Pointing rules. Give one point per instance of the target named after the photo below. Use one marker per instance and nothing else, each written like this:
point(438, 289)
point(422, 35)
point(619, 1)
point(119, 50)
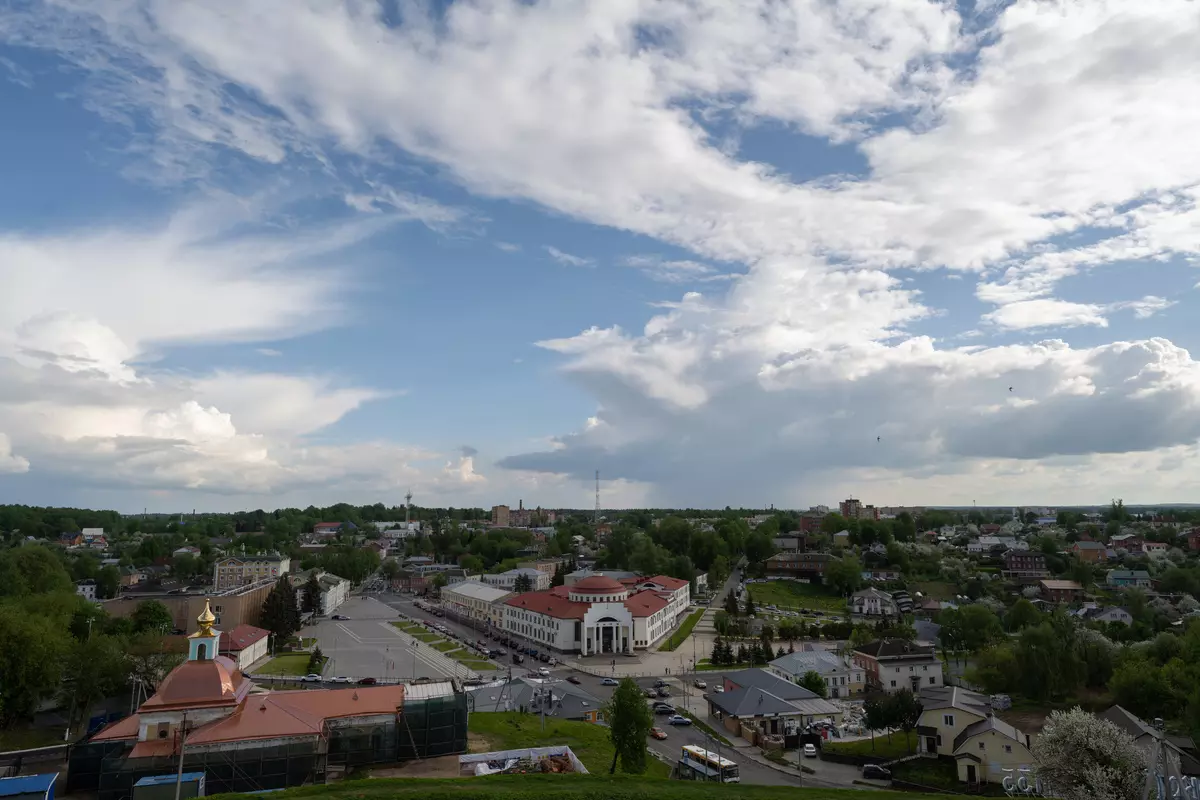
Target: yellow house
point(947, 712)
point(985, 750)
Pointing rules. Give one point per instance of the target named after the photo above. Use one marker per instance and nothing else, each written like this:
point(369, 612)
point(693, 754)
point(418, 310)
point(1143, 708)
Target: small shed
point(29, 787)
point(162, 787)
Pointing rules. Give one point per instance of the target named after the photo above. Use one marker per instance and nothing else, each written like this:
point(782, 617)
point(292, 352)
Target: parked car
point(367, 682)
point(341, 679)
point(658, 733)
point(543, 672)
point(659, 683)
point(718, 690)
point(877, 772)
point(678, 719)
point(664, 708)
point(543, 657)
point(312, 677)
point(650, 693)
point(339, 616)
point(610, 682)
point(663, 691)
point(699, 684)
point(810, 751)
point(573, 679)
point(518, 658)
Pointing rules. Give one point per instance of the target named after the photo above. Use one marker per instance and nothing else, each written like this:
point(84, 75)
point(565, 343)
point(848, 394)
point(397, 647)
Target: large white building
point(335, 590)
point(476, 601)
point(598, 615)
point(508, 580)
point(229, 573)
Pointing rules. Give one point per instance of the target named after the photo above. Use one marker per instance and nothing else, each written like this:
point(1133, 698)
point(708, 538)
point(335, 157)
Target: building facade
point(501, 516)
point(1025, 565)
point(802, 566)
point(508, 580)
point(842, 678)
point(476, 601)
point(873, 603)
point(235, 571)
point(894, 664)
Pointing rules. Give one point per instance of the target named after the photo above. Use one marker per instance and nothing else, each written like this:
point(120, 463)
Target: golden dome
point(206, 620)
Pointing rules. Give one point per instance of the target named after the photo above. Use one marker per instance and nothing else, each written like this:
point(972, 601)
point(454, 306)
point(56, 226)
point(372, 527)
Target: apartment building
point(234, 571)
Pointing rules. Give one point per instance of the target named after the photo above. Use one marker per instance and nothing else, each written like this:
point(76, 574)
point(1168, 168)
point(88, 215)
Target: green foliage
point(31, 656)
point(970, 628)
point(316, 660)
point(312, 594)
point(153, 616)
point(629, 722)
point(731, 604)
point(994, 671)
point(1141, 687)
point(1022, 615)
point(813, 681)
point(749, 605)
point(523, 583)
point(685, 630)
point(94, 669)
point(280, 615)
point(844, 575)
point(32, 570)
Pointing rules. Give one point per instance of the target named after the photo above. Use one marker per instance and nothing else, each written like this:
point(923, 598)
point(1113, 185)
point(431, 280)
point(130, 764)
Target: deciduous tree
point(814, 682)
point(1082, 757)
point(629, 721)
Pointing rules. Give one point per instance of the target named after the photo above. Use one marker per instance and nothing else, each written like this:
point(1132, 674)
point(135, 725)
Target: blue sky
point(266, 254)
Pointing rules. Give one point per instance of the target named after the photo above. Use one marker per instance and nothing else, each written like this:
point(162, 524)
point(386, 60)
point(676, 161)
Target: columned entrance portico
point(607, 635)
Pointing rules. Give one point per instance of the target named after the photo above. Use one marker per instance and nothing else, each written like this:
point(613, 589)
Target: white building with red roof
point(598, 614)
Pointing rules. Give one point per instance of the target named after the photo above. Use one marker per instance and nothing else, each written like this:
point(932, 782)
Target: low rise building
point(1091, 552)
point(990, 749)
point(335, 590)
point(1025, 565)
point(1060, 591)
point(798, 565)
point(538, 580)
point(234, 571)
point(86, 589)
point(245, 645)
point(476, 601)
point(765, 704)
point(1126, 578)
point(842, 678)
point(894, 664)
point(872, 602)
point(947, 711)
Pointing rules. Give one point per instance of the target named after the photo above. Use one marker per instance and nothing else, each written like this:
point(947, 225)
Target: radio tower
point(407, 507)
point(597, 520)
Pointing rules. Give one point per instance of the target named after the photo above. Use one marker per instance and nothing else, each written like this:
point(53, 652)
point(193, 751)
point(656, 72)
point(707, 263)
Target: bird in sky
point(1010, 388)
point(879, 438)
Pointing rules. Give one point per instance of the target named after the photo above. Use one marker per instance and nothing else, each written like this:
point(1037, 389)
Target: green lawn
point(937, 590)
point(685, 630)
point(794, 595)
point(29, 738)
point(589, 742)
point(410, 627)
point(935, 773)
point(883, 748)
point(293, 664)
point(444, 646)
point(470, 660)
point(571, 787)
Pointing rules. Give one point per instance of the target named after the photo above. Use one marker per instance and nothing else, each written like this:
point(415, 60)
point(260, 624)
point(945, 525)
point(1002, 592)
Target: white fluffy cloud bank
point(992, 143)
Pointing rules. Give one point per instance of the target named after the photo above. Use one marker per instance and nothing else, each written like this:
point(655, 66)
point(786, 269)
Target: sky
point(727, 252)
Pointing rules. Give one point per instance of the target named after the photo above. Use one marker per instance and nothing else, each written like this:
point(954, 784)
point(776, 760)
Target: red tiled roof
point(561, 591)
point(548, 603)
point(670, 583)
point(241, 637)
point(643, 604)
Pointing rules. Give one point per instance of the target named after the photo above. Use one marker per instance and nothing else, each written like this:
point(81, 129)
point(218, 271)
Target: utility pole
point(182, 744)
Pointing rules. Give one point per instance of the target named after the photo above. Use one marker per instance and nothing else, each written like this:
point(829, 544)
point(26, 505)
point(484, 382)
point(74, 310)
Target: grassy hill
point(570, 787)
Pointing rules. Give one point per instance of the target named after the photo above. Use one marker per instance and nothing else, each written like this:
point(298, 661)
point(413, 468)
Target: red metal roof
point(241, 637)
point(668, 582)
point(548, 603)
point(200, 684)
point(643, 604)
point(598, 584)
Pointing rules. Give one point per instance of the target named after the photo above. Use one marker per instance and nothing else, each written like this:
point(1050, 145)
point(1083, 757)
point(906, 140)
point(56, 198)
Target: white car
point(610, 682)
point(699, 684)
point(341, 679)
point(810, 751)
point(542, 671)
point(718, 690)
point(312, 677)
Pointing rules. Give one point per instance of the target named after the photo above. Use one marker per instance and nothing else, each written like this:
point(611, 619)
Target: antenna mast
point(407, 506)
point(597, 519)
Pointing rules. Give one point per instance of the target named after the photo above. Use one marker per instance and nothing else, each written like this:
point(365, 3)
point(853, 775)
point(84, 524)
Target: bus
point(697, 763)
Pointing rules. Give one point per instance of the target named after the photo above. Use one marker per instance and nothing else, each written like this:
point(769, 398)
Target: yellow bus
point(707, 765)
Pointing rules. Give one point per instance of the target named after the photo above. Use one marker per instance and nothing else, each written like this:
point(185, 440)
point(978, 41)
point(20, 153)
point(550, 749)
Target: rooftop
point(894, 648)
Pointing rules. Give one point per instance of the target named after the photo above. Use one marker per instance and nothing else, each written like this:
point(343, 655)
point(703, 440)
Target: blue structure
point(156, 787)
point(29, 787)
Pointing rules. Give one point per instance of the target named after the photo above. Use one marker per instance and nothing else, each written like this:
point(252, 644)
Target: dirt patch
point(478, 743)
point(1025, 721)
point(440, 767)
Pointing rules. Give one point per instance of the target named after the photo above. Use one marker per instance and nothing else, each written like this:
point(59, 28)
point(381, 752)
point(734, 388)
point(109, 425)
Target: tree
point(94, 669)
point(1022, 615)
point(316, 660)
point(844, 575)
point(814, 682)
point(994, 670)
point(1083, 757)
point(629, 722)
point(151, 615)
point(312, 594)
point(904, 709)
point(731, 604)
point(390, 569)
point(522, 584)
point(560, 576)
point(1046, 662)
point(875, 716)
point(31, 653)
point(279, 612)
point(1140, 687)
point(721, 622)
point(718, 573)
point(108, 582)
point(150, 660)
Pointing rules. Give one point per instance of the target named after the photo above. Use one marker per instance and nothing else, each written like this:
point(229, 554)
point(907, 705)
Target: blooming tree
point(1082, 757)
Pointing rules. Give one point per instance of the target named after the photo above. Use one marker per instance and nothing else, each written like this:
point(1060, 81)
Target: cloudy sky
point(257, 253)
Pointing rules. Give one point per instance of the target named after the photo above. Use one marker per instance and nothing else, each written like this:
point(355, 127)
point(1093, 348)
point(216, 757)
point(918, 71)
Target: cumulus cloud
point(991, 145)
point(9, 461)
point(674, 271)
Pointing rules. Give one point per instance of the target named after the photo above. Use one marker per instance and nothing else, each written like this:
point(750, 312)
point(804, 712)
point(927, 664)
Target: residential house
point(1112, 614)
point(130, 576)
point(1155, 549)
point(575, 577)
point(805, 566)
point(86, 589)
point(1059, 591)
point(1025, 565)
point(70, 539)
point(790, 541)
point(1180, 760)
point(894, 664)
point(873, 603)
point(245, 644)
point(946, 712)
point(562, 700)
point(990, 749)
point(1091, 552)
point(755, 699)
point(187, 550)
point(882, 575)
point(1129, 542)
point(1125, 578)
point(476, 601)
point(842, 678)
point(335, 590)
point(985, 544)
point(329, 528)
point(546, 565)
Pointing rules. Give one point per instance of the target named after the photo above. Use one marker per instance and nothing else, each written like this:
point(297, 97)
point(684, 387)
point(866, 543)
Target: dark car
point(367, 682)
point(663, 691)
point(877, 772)
point(650, 693)
point(518, 658)
point(340, 616)
point(664, 708)
point(573, 679)
point(543, 657)
point(658, 684)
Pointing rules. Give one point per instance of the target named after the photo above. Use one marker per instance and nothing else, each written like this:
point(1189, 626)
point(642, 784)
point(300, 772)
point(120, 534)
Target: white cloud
point(270, 352)
point(1046, 313)
point(568, 259)
point(9, 461)
point(677, 271)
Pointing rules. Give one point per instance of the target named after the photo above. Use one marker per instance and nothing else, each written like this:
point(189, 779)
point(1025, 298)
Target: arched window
point(201, 651)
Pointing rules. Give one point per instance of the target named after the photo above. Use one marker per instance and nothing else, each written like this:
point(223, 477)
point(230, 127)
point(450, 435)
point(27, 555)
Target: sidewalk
point(826, 774)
